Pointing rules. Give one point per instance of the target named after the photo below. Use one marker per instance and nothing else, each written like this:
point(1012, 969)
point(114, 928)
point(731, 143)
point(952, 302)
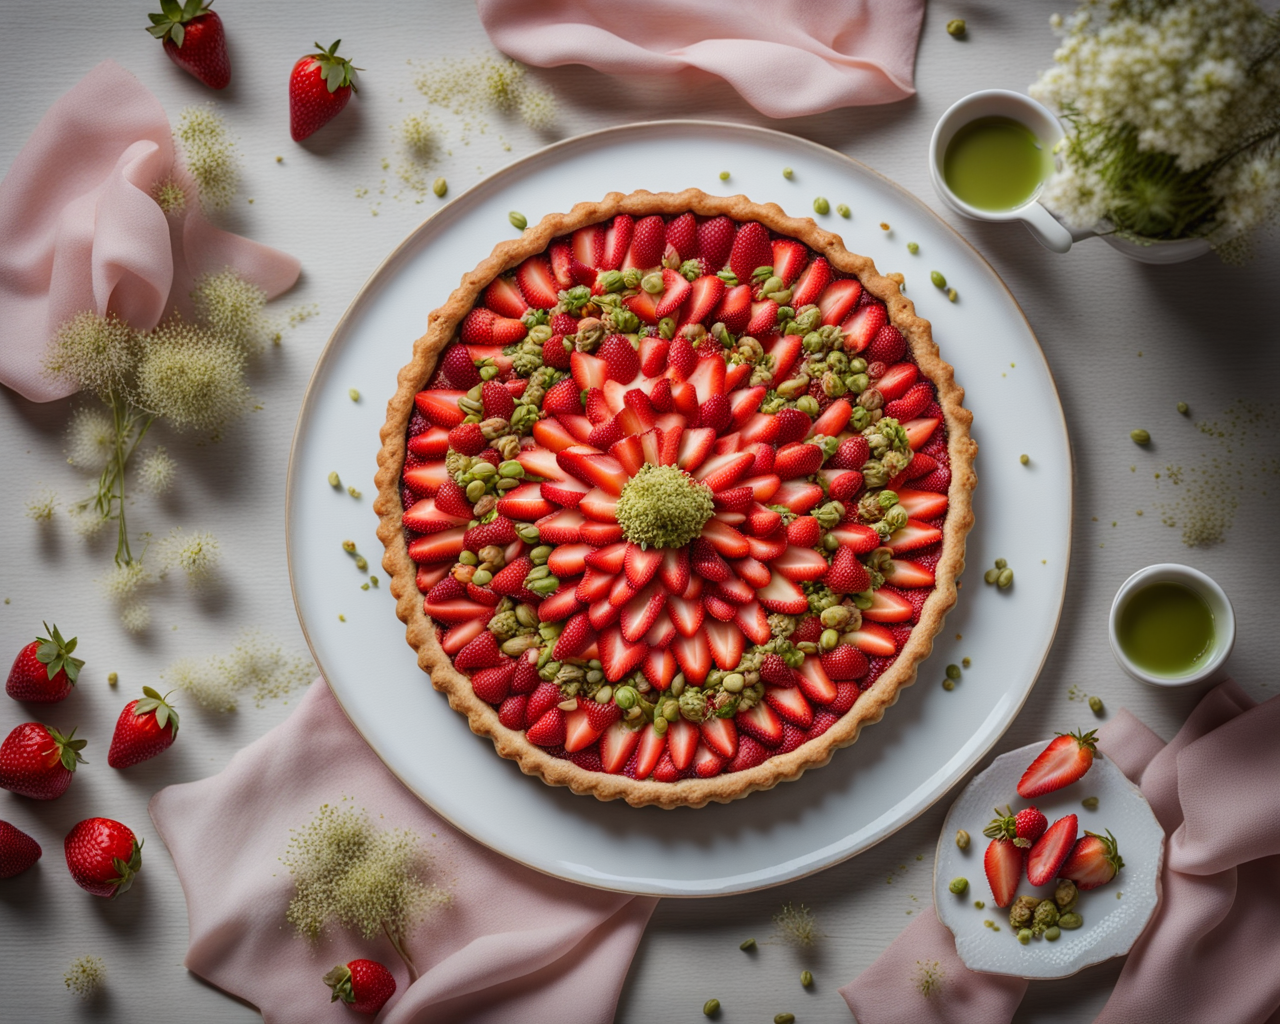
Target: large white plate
point(1114, 914)
point(900, 766)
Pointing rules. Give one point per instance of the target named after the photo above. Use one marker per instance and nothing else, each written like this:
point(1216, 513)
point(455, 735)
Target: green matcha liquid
point(995, 163)
point(1166, 629)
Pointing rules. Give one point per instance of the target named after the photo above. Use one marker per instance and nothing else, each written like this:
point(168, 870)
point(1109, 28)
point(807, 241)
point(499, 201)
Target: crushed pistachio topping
point(663, 507)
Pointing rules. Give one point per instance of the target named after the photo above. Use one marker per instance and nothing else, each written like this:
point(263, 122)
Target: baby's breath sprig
point(85, 976)
point(209, 155)
point(350, 874)
point(796, 925)
point(257, 663)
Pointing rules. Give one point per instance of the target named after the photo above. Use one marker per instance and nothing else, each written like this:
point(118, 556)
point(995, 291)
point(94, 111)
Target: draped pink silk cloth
point(513, 947)
point(79, 230)
point(1212, 950)
point(786, 57)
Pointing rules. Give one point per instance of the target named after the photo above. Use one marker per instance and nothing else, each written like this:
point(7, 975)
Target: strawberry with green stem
point(37, 761)
point(1094, 860)
point(103, 856)
point(1062, 762)
point(364, 985)
point(194, 40)
point(44, 670)
point(146, 727)
point(1023, 828)
point(320, 85)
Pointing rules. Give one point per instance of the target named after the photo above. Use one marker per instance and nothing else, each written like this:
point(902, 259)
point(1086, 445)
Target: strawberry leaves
point(336, 71)
point(68, 748)
point(55, 654)
point(171, 22)
point(152, 702)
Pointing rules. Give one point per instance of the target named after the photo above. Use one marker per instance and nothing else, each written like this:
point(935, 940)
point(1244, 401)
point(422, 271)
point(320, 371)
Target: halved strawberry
point(588, 370)
point(432, 443)
point(695, 446)
point(618, 655)
point(789, 258)
point(648, 240)
point(549, 730)
point(913, 536)
point(440, 407)
point(761, 722)
point(791, 704)
point(444, 546)
point(674, 570)
point(727, 541)
point(909, 574)
point(887, 606)
point(751, 249)
point(537, 283)
point(641, 612)
point(1051, 850)
point(652, 746)
point(706, 762)
point(799, 564)
point(1003, 866)
point(617, 240)
point(873, 640)
point(838, 298)
point(1062, 762)
point(797, 460)
point(720, 735)
point(753, 620)
point(561, 254)
point(687, 615)
point(1093, 861)
point(525, 503)
point(815, 683)
point(734, 308)
point(682, 742)
point(798, 495)
point(726, 642)
point(705, 295)
point(675, 289)
point(588, 245)
point(425, 517)
point(896, 380)
point(579, 733)
point(919, 431)
point(922, 504)
point(764, 317)
point(833, 420)
point(504, 298)
point(811, 283)
point(862, 325)
point(743, 405)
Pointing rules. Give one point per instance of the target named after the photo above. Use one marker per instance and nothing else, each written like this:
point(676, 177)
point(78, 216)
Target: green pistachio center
point(663, 507)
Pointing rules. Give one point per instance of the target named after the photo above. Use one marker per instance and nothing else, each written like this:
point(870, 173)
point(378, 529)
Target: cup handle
point(1047, 230)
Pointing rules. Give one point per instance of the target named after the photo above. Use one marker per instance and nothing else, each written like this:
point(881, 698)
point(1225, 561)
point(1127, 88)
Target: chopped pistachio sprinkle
point(663, 507)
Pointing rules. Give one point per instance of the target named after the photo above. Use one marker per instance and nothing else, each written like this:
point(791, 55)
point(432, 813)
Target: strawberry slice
point(922, 504)
point(752, 619)
point(652, 745)
point(833, 419)
point(569, 560)
point(708, 378)
point(641, 612)
point(727, 541)
point(566, 493)
point(504, 298)
point(589, 244)
point(838, 298)
point(1051, 850)
point(643, 305)
point(424, 517)
point(618, 655)
point(640, 565)
point(588, 370)
point(1003, 865)
point(781, 595)
point(789, 258)
point(743, 405)
point(659, 663)
point(919, 431)
point(720, 735)
point(617, 240)
point(525, 503)
point(751, 249)
point(797, 460)
point(561, 257)
point(686, 614)
point(764, 317)
point(913, 536)
point(433, 443)
point(1061, 763)
point(599, 506)
point(601, 613)
point(438, 547)
point(675, 289)
point(727, 643)
point(674, 570)
point(551, 434)
point(682, 742)
point(622, 591)
point(762, 723)
point(600, 534)
point(704, 296)
point(692, 652)
point(648, 240)
point(814, 682)
point(811, 283)
point(790, 704)
point(609, 559)
point(798, 495)
point(462, 634)
point(563, 527)
point(897, 380)
point(1094, 861)
point(862, 325)
point(888, 607)
point(695, 446)
point(578, 731)
point(440, 407)
point(785, 351)
point(706, 762)
point(537, 283)
point(909, 575)
point(754, 573)
point(456, 611)
point(873, 640)
point(561, 605)
point(722, 471)
point(549, 730)
point(764, 486)
point(766, 549)
point(616, 746)
point(798, 564)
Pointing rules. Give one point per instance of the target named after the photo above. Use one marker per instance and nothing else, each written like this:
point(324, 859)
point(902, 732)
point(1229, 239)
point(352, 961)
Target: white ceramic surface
point(900, 766)
point(1224, 622)
point(1040, 120)
point(1160, 253)
point(1114, 914)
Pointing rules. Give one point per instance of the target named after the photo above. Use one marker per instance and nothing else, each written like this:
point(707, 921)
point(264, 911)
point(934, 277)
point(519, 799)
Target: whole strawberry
point(44, 671)
point(319, 87)
point(364, 985)
point(103, 856)
point(194, 40)
point(1024, 828)
point(18, 851)
point(146, 727)
point(37, 761)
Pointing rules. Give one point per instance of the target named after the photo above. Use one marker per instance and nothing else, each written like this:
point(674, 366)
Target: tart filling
point(674, 496)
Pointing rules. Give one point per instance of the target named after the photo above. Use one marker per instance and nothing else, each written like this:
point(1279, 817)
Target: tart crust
point(442, 325)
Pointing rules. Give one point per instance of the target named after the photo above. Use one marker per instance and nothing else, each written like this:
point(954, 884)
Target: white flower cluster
point(1192, 82)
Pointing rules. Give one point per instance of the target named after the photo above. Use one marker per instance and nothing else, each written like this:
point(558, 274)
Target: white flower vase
point(1159, 252)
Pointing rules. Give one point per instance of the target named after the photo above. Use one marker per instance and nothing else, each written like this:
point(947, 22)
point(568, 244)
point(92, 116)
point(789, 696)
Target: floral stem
point(399, 948)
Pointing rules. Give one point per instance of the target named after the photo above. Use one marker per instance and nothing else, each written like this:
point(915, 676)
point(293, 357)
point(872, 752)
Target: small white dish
point(1224, 622)
point(1111, 925)
point(1048, 231)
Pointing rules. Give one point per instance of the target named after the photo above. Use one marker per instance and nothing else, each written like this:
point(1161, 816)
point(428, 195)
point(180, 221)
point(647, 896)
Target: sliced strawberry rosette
point(658, 503)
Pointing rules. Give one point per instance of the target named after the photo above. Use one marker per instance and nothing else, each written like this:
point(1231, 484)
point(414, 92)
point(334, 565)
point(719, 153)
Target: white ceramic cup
point(1040, 120)
point(1224, 622)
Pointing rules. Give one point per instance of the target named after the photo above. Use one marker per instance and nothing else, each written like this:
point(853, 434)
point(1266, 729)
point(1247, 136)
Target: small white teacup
point(1035, 117)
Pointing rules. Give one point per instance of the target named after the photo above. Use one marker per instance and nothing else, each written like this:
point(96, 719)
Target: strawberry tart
point(674, 494)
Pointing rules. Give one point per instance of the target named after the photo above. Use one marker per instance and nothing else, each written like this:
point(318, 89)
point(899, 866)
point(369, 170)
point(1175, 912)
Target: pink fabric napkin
point(79, 230)
point(513, 947)
point(786, 57)
point(1212, 951)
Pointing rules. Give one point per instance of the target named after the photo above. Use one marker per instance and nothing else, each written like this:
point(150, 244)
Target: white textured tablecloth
point(1125, 342)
